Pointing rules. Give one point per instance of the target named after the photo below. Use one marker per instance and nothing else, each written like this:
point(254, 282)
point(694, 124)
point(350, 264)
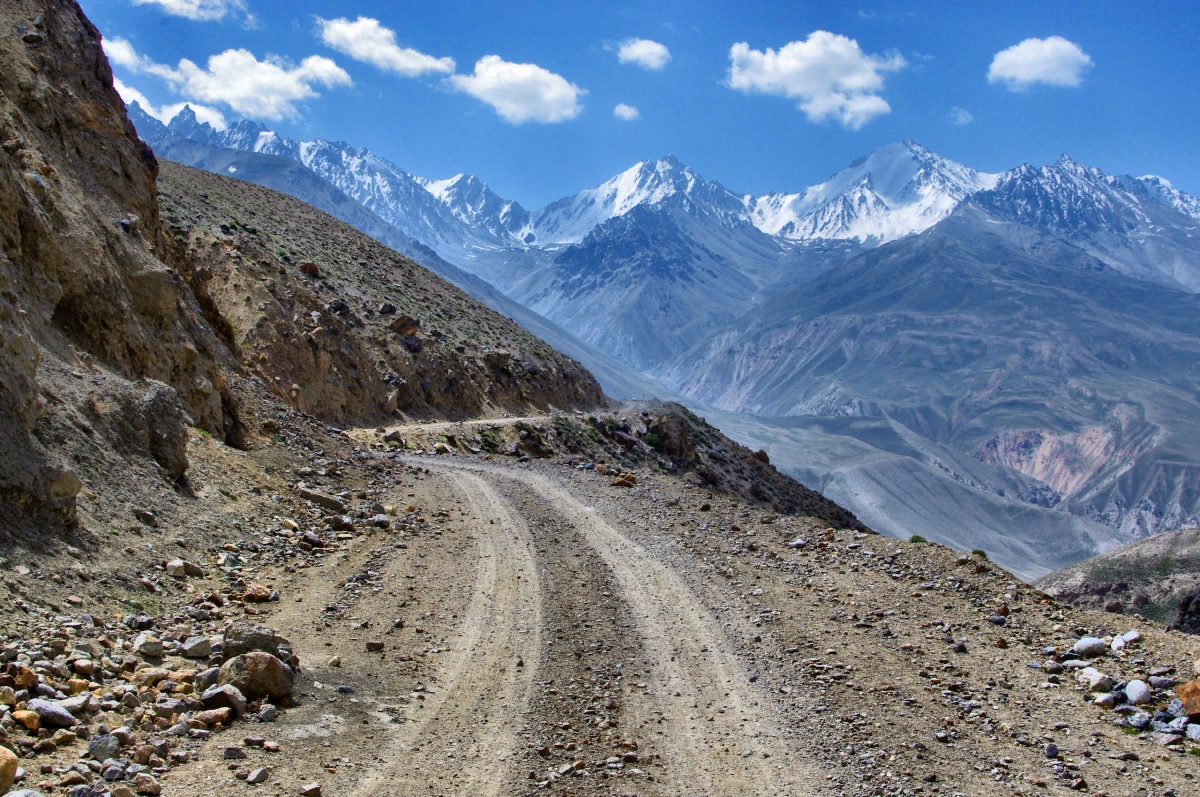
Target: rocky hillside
point(122, 328)
point(310, 301)
point(1157, 578)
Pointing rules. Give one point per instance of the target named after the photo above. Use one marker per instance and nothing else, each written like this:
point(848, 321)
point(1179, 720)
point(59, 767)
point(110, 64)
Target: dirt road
point(715, 733)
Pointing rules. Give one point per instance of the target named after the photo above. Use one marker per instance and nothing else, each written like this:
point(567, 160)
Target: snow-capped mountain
point(1140, 226)
point(570, 219)
point(895, 191)
point(454, 217)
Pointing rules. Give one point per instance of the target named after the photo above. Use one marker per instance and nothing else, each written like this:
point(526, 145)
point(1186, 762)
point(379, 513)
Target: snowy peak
point(895, 191)
point(570, 219)
point(471, 201)
point(1140, 226)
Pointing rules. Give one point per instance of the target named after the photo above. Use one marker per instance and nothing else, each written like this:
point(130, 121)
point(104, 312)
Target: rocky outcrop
point(84, 292)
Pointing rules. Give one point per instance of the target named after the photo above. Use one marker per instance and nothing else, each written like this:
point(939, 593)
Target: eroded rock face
point(84, 291)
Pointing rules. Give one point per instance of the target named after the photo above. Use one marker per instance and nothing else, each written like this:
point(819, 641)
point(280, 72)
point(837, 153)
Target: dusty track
point(481, 687)
point(719, 734)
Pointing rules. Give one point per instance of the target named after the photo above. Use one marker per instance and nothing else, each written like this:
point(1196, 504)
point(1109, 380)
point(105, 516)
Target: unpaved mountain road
point(695, 693)
point(528, 628)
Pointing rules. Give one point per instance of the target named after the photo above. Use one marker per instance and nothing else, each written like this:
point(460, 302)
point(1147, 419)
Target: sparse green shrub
point(982, 554)
point(654, 441)
point(917, 538)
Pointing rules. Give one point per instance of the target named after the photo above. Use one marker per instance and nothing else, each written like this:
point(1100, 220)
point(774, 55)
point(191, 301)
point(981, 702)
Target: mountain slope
point(1035, 356)
point(1150, 578)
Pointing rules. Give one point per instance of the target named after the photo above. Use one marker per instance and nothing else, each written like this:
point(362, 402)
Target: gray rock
point(259, 775)
point(246, 638)
point(1107, 700)
point(1090, 647)
point(207, 678)
point(1050, 750)
point(268, 713)
point(1193, 732)
point(197, 647)
point(257, 675)
point(1141, 721)
point(104, 747)
point(1137, 692)
point(51, 714)
point(1131, 637)
point(225, 695)
point(1161, 682)
point(148, 645)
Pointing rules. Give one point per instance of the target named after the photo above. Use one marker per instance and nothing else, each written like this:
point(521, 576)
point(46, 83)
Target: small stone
point(268, 713)
point(8, 769)
point(1137, 692)
point(336, 661)
point(146, 784)
point(51, 714)
point(374, 646)
point(259, 775)
point(104, 747)
point(1050, 750)
point(1161, 682)
point(29, 719)
point(1090, 647)
point(197, 647)
point(234, 753)
point(256, 593)
point(311, 790)
point(148, 646)
point(225, 696)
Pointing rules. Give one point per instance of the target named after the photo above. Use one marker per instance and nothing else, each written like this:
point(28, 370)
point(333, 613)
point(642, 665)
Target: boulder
point(1189, 694)
point(257, 675)
point(405, 326)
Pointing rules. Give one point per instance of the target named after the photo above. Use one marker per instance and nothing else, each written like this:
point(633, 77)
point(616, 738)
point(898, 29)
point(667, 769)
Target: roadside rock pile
point(130, 704)
point(1145, 702)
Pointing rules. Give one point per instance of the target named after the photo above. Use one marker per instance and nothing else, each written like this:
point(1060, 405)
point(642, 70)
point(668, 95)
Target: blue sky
point(761, 96)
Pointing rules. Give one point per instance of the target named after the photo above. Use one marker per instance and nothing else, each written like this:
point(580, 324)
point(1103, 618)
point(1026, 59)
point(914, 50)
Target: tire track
point(470, 717)
point(722, 735)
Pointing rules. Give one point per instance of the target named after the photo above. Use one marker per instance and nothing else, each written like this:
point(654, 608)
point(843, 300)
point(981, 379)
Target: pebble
point(311, 790)
point(1050, 750)
point(1090, 647)
point(259, 775)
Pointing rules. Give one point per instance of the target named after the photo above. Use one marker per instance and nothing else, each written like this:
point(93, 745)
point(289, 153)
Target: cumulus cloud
point(268, 89)
point(1052, 62)
point(521, 92)
point(199, 10)
point(829, 73)
point(366, 40)
point(644, 53)
point(960, 116)
point(626, 112)
point(165, 113)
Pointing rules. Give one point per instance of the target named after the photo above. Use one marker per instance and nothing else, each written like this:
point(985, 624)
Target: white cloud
point(166, 113)
point(645, 53)
point(626, 112)
point(829, 73)
point(960, 116)
point(1053, 62)
point(521, 92)
point(199, 10)
point(268, 89)
point(366, 40)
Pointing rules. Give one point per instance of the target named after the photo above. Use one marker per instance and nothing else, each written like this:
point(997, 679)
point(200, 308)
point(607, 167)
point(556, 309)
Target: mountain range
point(1032, 336)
